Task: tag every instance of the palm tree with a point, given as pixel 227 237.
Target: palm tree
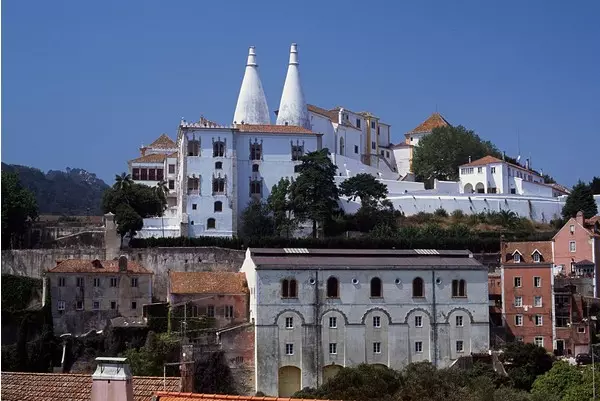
pixel 162 190
pixel 122 181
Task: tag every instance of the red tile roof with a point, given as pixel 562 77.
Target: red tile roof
pixel 20 386
pixel 273 129
pixel 163 142
pixel 526 249
pixel 436 120
pixel 483 161
pixel 151 158
pixel 166 396
pixel 332 114
pixel 95 266
pixel 208 283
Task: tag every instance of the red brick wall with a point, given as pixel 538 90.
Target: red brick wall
pixel 562 253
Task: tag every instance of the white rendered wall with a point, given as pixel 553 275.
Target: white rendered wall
pixel 402 160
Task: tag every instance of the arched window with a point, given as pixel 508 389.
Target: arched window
pixel 211 223
pixel 342 150
pixel 289 288
pixel 418 287
pixel 218 149
pixel 376 289
pixel 459 288
pixel 218 206
pixel 218 165
pixel 218 185
pixel 255 168
pixel 193 147
pixel 333 288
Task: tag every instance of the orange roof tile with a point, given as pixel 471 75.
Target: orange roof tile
pixel 208 283
pixel 21 386
pixel 163 142
pixel 435 120
pixel 151 158
pixel 483 161
pixel 273 129
pixel 172 396
pixel 526 249
pixel 174 154
pixel 95 266
pixel 332 114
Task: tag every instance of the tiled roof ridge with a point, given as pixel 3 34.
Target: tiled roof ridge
pixel 150 158
pixel 228 397
pixel 208 282
pixel 163 142
pixel 87 266
pixel 435 120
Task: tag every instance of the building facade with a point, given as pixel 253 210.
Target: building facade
pixel 316 311
pixel 87 293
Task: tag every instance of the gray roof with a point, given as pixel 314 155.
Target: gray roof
pixel 360 259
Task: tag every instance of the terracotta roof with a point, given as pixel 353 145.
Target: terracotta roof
pixel 163 142
pixel 332 114
pixel 20 386
pixel 95 266
pixel 592 220
pixel 166 396
pixel 208 283
pixel 436 120
pixel 274 129
pixel 526 249
pixel 151 158
pixel 174 154
pixel 483 161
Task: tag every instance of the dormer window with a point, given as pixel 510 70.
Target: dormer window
pixel 537 257
pixel 517 257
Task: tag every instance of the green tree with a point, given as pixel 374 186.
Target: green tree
pixel 364 186
pixel 280 205
pixel 595 185
pixel 129 222
pixel 548 179
pixel 213 375
pixel 314 193
pixel 554 384
pixel 122 181
pixel 256 220
pixel 18 206
pixel 525 363
pixel 162 190
pixel 581 198
pixel 439 155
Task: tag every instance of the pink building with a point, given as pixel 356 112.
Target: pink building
pixel 577 248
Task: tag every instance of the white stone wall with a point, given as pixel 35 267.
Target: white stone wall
pixel 402 160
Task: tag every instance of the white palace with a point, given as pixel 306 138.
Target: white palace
pixel 213 171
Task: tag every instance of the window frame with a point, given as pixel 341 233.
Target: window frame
pixel 134 282
pixel 289 288
pixel 95 305
pixel 520 281
pixel 210 311
pixel 537 282
pixel 459 321
pixel 539 320
pixel 289 348
pixel 61 305
pixel 541 342
pixel 519 320
pixel 418 321
pixel 333 348
pixel 289 322
pixel 133 305
pixel 113 305
pixel 229 312
pixel 460 346
pixel 572 246
pixel 377 347
pixel 421 285
pixel 218 209
pixel 418 347
pixel 377 322
pixel 331 280
pixel 211 223
pixel 518 304
pixel 376 284
pixel 114 282
pixel 62 282
pixel 79 305
pixel 97 282
pixel 333 322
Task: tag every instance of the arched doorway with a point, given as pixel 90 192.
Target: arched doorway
pixel 330 371
pixel 479 188
pixel 468 189
pixel 289 381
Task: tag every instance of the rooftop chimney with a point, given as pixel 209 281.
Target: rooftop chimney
pixel 251 106
pixel 112 380
pixel 292 109
pixel 579 218
pixel 122 263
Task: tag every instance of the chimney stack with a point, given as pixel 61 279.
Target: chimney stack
pixel 579 218
pixel 122 263
pixel 112 380
pixel 187 368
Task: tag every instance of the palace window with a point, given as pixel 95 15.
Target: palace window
pixel 256 151
pixel 539 341
pixel 144 174
pixel 218 185
pixel 193 147
pixel 211 223
pixel 193 186
pixel 289 349
pixel 519 302
pixel 537 301
pixel 218 165
pixel 218 207
pixel 333 290
pixel 218 149
pixel 517 282
pixel 417 287
pixel 518 320
pixel 333 348
pixel 539 320
pixel 537 282
pixel 255 168
pixel 376 287
pixel 256 187
pixel 297 152
pixel 459 288
pixel 289 288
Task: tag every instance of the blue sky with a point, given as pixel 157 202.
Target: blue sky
pixel 84 83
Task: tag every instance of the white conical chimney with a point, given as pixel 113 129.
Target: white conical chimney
pixel 252 104
pixel 292 109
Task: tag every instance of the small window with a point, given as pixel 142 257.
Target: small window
pixel 377 348
pixel 358 123
pixel 460 346
pixel 218 206
pixel 79 305
pixel 517 282
pixel 333 348
pixel 387 153
pixel 96 282
pixel 255 168
pixel 581 329
pixel 61 281
pixel 459 288
pixel 356 149
pixel 518 320
pixel 171 169
pixel 376 287
pixel 193 148
pixel 536 257
pixel 171 184
pixel 418 321
pixel 459 321
pixel 418 347
pixel 135 174
pixel 537 282
pixel 493 170
pixel 332 288
pixel 114 282
pixel 537 301
pixel 289 322
pixel 229 311
pixel 373 145
pixel 134 281
pixel 289 349
pixel 211 223
pixel 256 151
pixel 256 187
pixel 218 165
pixel 539 321
pixel 80 282
pixel 113 305
pixel 297 152
pixel 373 124
pixel 417 287
pixel 376 321
pixel 210 311
pixel 333 322
pixel 517 257
pixel 519 302
pixel 133 305
pixel 218 185
pixel 219 149
pixel 96 305
pixel 572 246
pixel 479 169
pixel 289 288
pixel 539 341
pixel 194 206
pixel 572 228
pixel 60 305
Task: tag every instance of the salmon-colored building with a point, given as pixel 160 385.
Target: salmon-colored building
pixel 527 291
pixel 577 248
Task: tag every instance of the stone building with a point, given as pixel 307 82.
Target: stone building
pixel 317 310
pixel 87 293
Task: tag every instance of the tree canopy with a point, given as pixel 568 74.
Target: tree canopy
pixel 527 361
pixel 595 185
pixel 580 198
pixel 256 220
pixel 280 204
pixel 18 206
pixel 439 155
pixel 366 187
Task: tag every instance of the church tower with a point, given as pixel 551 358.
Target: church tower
pixel 252 104
pixel 292 109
